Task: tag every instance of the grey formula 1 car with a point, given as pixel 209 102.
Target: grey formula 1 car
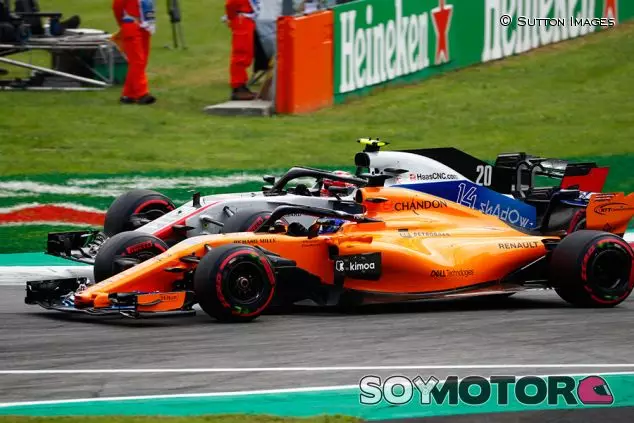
pixel 145 212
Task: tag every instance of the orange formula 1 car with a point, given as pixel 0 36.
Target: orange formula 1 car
pixel 405 246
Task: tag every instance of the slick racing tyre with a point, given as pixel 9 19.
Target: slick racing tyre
pixel 125 250
pixel 592 269
pixel 234 283
pixel 135 209
pixel 247 220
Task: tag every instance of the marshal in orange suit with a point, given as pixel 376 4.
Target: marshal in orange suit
pixel 136 19
pixel 241 15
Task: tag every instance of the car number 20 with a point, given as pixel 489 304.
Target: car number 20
pixel 485 173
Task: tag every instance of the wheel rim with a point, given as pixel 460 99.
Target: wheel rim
pixel 126 261
pixel 610 271
pixel 147 214
pixel 145 255
pixel 244 284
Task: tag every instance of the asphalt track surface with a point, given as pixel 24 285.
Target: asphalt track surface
pixel 529 328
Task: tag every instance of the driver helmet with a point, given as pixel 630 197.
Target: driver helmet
pixel 332 227
pixel 330 183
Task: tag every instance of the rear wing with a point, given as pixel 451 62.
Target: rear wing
pixel 584 176
pixel 592 181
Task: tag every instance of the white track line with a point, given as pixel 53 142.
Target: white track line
pixel 170 396
pixel 19 275
pixel 244 393
pixel 312 369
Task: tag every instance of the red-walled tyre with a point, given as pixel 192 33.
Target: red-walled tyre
pixel 248 220
pixel 592 269
pixel 135 209
pixel 234 283
pixel 125 250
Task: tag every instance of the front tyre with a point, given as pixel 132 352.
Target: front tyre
pixel 126 250
pixel 247 220
pixel 592 269
pixel 234 283
pixel 134 209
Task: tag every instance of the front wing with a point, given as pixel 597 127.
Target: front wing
pixel 58 295
pixel 79 246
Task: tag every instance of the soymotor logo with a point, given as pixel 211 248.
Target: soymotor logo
pixel 477 390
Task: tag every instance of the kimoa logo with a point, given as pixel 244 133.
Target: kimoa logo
pixel 341 266
pixel 502 41
pixel 362 266
pixel 389 48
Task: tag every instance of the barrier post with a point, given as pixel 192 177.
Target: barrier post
pixel 304 79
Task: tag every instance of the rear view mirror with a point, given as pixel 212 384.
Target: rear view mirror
pixel 269 179
pixel 395 171
pixel 313 230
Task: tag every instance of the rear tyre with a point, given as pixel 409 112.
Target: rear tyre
pixel 135 209
pixel 125 250
pixel 234 283
pixel 592 269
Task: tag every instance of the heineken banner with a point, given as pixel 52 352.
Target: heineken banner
pixel 377 42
